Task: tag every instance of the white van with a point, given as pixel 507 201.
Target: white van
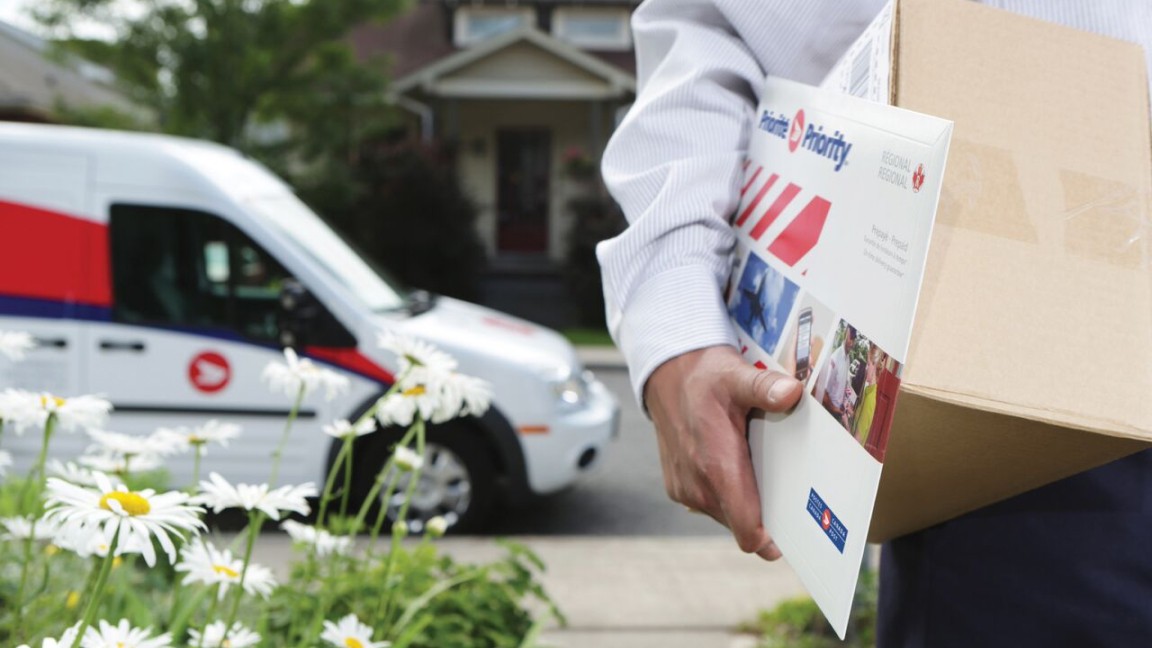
pixel 151 270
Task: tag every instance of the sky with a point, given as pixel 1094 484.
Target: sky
pixel 11 11
pixel 15 12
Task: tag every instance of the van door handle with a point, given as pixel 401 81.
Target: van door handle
pixel 135 346
pixel 55 343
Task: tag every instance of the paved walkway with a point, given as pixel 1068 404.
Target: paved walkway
pixel 634 592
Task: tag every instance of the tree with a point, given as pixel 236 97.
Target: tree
pixel 213 68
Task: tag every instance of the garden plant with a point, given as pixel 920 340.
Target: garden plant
pixel 98 552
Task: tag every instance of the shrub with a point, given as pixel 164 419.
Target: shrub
pixel 401 203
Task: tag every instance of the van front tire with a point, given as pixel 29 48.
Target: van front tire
pixel 458 480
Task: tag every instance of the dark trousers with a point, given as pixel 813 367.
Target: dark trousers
pixel 1068 564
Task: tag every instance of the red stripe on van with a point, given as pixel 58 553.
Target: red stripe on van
pixel 50 255
pixel 352 360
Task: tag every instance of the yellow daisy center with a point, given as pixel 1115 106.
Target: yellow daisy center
pixel 196 439
pixel 133 503
pixel 353 642
pixel 73 599
pixel 51 402
pixel 226 570
pixel 418 390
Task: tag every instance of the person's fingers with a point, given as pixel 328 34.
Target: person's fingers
pixel 770 552
pixel 733 484
pixel 754 388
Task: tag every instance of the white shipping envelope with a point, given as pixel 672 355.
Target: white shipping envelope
pixel 835 218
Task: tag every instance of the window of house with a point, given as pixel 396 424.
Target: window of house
pixel 186 268
pixel 593 28
pixel 475 24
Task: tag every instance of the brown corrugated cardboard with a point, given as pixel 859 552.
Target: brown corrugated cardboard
pixel 1031 358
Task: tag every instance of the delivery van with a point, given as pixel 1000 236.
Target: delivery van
pixel 165 273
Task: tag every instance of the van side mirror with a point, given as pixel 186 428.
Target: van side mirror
pixel 297 307
pixel 305 322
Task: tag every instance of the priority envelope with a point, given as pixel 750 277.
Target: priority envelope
pixel 1031 354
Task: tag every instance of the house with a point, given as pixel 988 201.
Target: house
pixel 35 87
pixel 528 92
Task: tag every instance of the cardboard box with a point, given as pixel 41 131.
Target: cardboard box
pixel 1031 357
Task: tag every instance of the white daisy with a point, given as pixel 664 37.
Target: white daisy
pixel 411 352
pixel 139 515
pixel 5 462
pixel 437 526
pixel 27 409
pixel 206 564
pixel 214 636
pixel 123 635
pixel 297 373
pixel 343 428
pixel 420 392
pixel 406 458
pixel 131 445
pixel 85 543
pixel 211 432
pixel 323 542
pixel 219 495
pixel 71 472
pixel 350 633
pixel 15 344
pixel 107 462
pixel 462 395
pixel 65 641
pixel 20 528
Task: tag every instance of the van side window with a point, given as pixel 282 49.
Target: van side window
pixel 186 268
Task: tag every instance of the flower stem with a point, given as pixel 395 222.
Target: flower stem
pixel 279 453
pixel 98 590
pixel 211 614
pixel 255 521
pixel 198 454
pixel 401 516
pixel 385 470
pixel 347 478
pixel 27 508
pixel 328 485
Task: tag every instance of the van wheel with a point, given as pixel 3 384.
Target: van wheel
pixel 457 482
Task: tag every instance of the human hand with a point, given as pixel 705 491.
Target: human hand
pixel 700 402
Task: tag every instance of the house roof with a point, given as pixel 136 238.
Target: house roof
pixel 33 84
pixel 424 34
pixel 523 64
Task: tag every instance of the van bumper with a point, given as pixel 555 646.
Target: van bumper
pixel 574 444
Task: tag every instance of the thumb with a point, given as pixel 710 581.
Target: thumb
pixel 771 391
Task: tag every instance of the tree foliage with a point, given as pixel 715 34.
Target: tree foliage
pixel 211 68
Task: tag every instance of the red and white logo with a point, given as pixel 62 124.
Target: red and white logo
pixel 826 519
pixel 796 133
pixel 209 372
pixel 918 178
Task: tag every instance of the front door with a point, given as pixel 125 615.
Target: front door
pixel 522 170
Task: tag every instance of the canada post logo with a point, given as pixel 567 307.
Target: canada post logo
pixel 797 131
pixel 800 133
pixel 829 523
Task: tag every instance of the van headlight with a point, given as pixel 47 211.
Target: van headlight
pixel 571 390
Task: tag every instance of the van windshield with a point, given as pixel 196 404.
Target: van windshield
pixel 311 237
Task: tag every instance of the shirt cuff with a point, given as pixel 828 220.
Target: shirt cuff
pixel 672 313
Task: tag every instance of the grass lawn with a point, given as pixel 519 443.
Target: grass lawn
pixel 587 336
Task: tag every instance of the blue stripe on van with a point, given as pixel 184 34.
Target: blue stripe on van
pixel 52 309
